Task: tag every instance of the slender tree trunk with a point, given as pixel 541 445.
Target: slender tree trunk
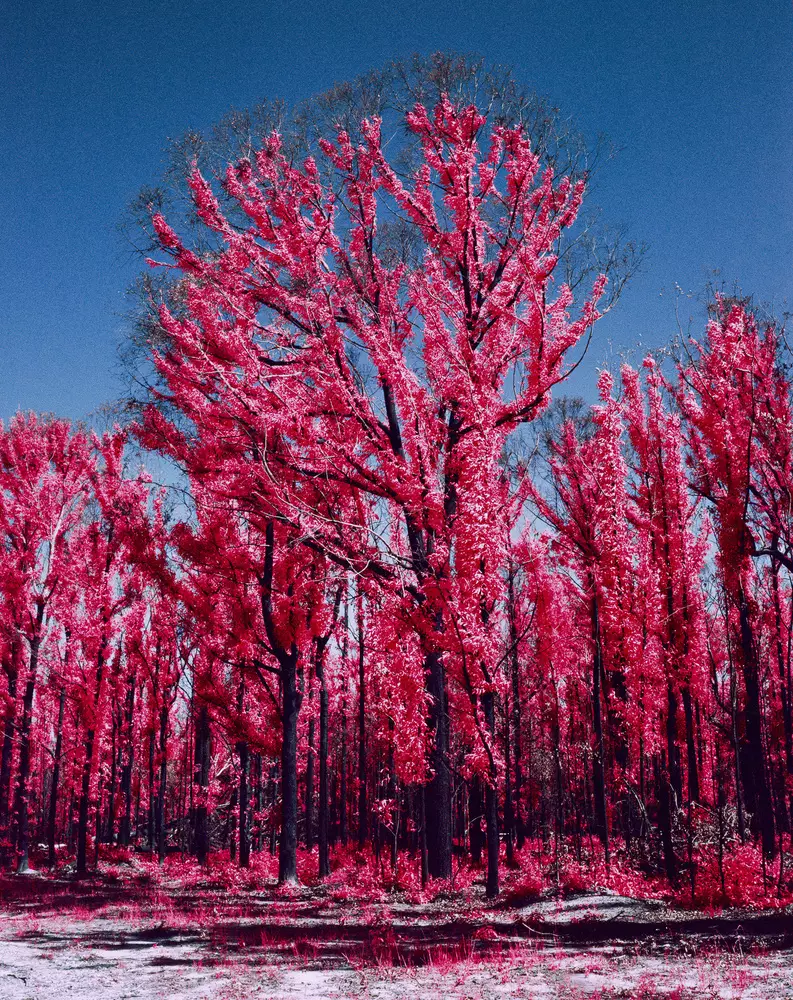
pixel 310 785
pixel 343 834
pixel 392 795
pixel 691 748
pixel 324 859
pixel 126 772
pixel 163 781
pixel 8 747
pixel 665 819
pixel 475 819
pixel 111 792
pixel 491 806
pixel 56 774
pixel 425 871
pixel 760 796
pixel 438 794
pixel 201 759
pixel 244 837
pixel 673 766
pixel 520 830
pixel 82 815
pixel 151 814
pixel 598 773
pixel 784 690
pixel 23 831
pixel 362 804
pixel 287 856
pixel 509 818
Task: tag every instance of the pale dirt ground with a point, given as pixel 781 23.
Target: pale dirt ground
pixel 47 956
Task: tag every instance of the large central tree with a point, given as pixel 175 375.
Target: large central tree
pixel 362 398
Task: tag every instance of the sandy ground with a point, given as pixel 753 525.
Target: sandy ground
pixel 48 966
pixel 597 945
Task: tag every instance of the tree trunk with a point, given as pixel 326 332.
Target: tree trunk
pixel 152 810
pixel 310 786
pixel 82 816
pixel 520 830
pixel 201 758
pixel 244 833
pixel 8 742
pixel 691 748
pixel 23 832
pixel 324 859
pixel 784 690
pixel 759 796
pixel 126 771
pixel 438 794
pixel 163 782
pixel 287 851
pixel 111 792
pixel 362 804
pixel 343 779
pixel 491 806
pixel 598 774
pixel 672 752
pixel 509 818
pixel 56 774
pixel 665 819
pixel 475 819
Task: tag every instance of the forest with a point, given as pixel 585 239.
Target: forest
pixel 417 618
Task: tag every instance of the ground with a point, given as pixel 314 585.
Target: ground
pixel 116 937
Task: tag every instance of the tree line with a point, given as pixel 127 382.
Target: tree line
pixel 411 603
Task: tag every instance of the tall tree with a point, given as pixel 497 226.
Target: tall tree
pixel 297 363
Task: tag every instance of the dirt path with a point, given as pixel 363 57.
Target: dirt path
pixel 88 943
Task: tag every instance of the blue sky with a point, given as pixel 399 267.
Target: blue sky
pixel 698 96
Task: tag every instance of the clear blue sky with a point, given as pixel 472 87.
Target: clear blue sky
pixel 698 94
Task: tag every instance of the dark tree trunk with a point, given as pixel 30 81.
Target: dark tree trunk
pixel 672 752
pixel 244 837
pixel 475 819
pixel 691 747
pixel 8 742
pixel 665 819
pixel 310 786
pixel 784 689
pixel 82 815
pixel 520 830
pixel 56 774
pixel 438 794
pixel 201 759
pixel 126 771
pixel 343 834
pixel 509 818
pixel 259 800
pixel 273 804
pixel 491 806
pixel 23 815
pixel 152 810
pixel 598 773
pixel 163 782
pixel 758 792
pixel 287 856
pixel 392 795
pixel 111 792
pixel 362 804
pixel 23 819
pixel 324 859
pixel 425 872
